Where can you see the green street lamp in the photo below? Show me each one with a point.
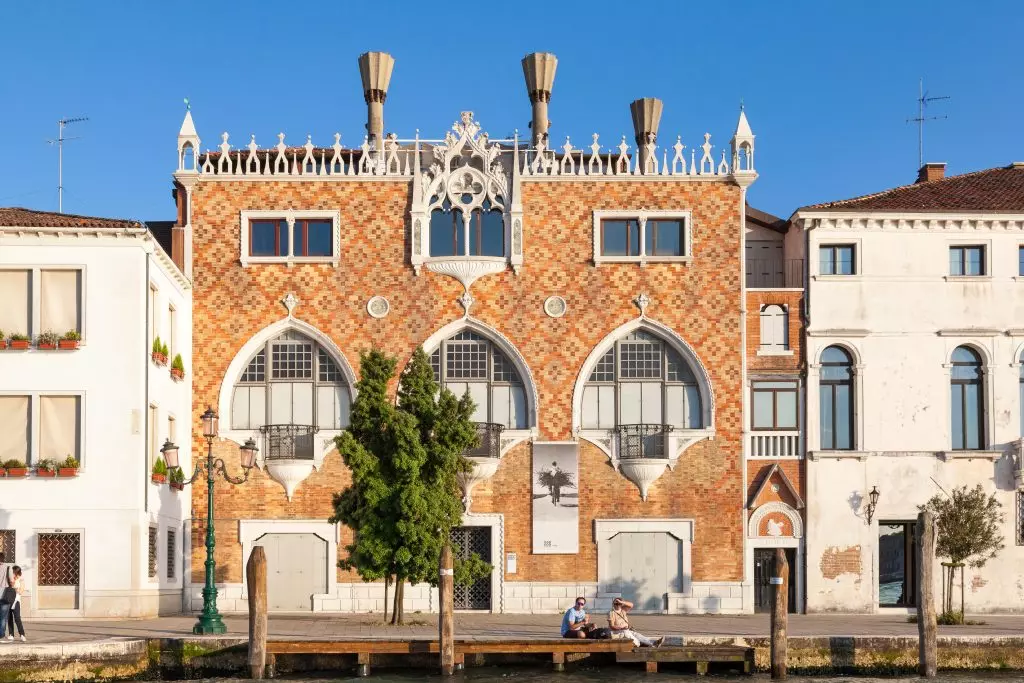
(210, 621)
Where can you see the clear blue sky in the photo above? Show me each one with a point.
(827, 85)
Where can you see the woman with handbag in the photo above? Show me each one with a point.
(14, 616)
(7, 596)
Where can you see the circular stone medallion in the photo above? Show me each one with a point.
(378, 307)
(555, 306)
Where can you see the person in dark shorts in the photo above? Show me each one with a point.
(575, 622)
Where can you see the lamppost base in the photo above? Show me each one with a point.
(209, 625)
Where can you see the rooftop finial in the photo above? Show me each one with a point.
(188, 105)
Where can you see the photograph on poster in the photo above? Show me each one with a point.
(555, 498)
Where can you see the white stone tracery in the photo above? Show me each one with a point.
(754, 525)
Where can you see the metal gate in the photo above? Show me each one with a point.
(764, 569)
(467, 540)
(59, 571)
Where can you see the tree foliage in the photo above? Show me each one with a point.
(405, 460)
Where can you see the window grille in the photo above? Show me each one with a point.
(467, 540)
(466, 357)
(171, 547)
(292, 360)
(59, 556)
(152, 552)
(640, 357)
(604, 371)
(256, 370)
(328, 369)
(7, 547)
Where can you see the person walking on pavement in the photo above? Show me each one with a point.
(7, 595)
(619, 624)
(14, 616)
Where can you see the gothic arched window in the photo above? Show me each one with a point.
(450, 236)
(641, 380)
(470, 362)
(292, 380)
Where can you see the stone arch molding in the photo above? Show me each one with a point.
(768, 508)
(237, 366)
(855, 355)
(512, 437)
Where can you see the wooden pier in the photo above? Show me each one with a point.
(558, 651)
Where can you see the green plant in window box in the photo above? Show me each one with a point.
(18, 341)
(70, 340)
(3, 340)
(178, 368)
(68, 468)
(48, 340)
(159, 353)
(159, 475)
(15, 468)
(46, 468)
(177, 477)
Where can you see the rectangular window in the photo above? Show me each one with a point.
(836, 259)
(172, 542)
(59, 427)
(967, 260)
(172, 429)
(172, 330)
(1020, 261)
(152, 552)
(268, 237)
(774, 405)
(154, 440)
(620, 238)
(60, 299)
(16, 302)
(314, 237)
(15, 429)
(665, 237)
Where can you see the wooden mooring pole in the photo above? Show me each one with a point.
(780, 614)
(927, 628)
(256, 577)
(446, 620)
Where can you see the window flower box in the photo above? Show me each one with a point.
(46, 468)
(18, 342)
(177, 486)
(70, 340)
(3, 344)
(47, 341)
(177, 369)
(68, 468)
(16, 472)
(159, 352)
(159, 474)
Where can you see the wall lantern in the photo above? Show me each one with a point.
(872, 502)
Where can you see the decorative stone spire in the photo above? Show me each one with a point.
(188, 141)
(375, 71)
(539, 70)
(743, 147)
(646, 119)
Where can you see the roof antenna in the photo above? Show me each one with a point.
(922, 102)
(60, 157)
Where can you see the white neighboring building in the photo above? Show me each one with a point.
(107, 542)
(915, 335)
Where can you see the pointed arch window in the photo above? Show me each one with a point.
(292, 380)
(450, 235)
(641, 380)
(967, 400)
(836, 397)
(471, 362)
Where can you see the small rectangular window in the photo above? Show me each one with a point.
(314, 237)
(152, 552)
(268, 237)
(665, 237)
(171, 550)
(620, 238)
(59, 424)
(1020, 261)
(836, 259)
(774, 405)
(16, 302)
(967, 260)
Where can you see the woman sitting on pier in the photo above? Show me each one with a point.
(618, 622)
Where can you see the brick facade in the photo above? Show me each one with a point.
(701, 301)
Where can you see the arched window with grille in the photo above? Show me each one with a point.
(967, 400)
(642, 380)
(836, 399)
(470, 362)
(291, 380)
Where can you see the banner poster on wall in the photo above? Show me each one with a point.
(556, 507)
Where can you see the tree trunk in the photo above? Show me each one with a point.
(963, 610)
(394, 607)
(387, 584)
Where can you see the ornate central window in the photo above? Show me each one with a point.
(469, 362)
(292, 380)
(452, 235)
(641, 380)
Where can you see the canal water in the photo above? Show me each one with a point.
(623, 675)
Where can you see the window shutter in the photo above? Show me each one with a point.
(58, 427)
(15, 302)
(59, 301)
(14, 428)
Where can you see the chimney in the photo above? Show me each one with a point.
(646, 118)
(931, 172)
(539, 70)
(375, 70)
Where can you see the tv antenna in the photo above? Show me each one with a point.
(61, 125)
(922, 103)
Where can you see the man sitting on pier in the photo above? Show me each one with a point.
(618, 622)
(576, 623)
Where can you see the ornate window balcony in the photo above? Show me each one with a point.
(642, 441)
(489, 434)
(485, 456)
(288, 453)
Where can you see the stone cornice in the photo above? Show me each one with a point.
(933, 222)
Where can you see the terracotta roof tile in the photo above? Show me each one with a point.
(16, 217)
(994, 189)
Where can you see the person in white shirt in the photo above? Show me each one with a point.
(619, 624)
(14, 615)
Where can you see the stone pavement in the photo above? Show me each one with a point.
(498, 626)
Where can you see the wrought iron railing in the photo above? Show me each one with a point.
(775, 273)
(490, 441)
(643, 440)
(288, 442)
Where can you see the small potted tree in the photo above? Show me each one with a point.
(70, 340)
(46, 468)
(3, 341)
(159, 354)
(18, 341)
(15, 469)
(159, 475)
(177, 478)
(47, 341)
(177, 368)
(68, 468)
